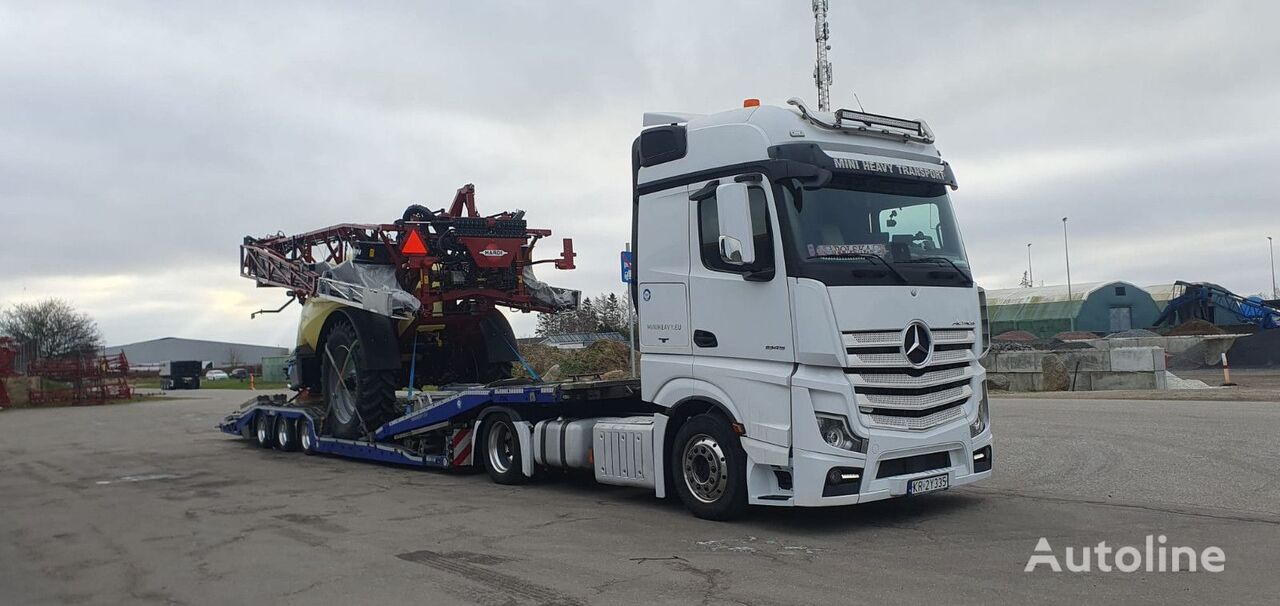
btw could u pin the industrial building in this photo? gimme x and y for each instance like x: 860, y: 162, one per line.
x: 220, y: 353
x: 1044, y: 311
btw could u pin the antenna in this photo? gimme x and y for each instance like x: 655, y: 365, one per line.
x: 822, y: 70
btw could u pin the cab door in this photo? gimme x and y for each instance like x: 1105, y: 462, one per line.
x: 740, y: 316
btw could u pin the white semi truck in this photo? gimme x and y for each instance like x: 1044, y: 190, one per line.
x: 809, y: 332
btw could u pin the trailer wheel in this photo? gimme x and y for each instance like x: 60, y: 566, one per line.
x: 710, y: 468
x: 502, y: 450
x: 305, y: 441
x: 286, y: 433
x: 359, y: 399
x: 262, y: 430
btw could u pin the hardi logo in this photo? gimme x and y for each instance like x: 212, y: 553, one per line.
x: 493, y: 252
x: 917, y: 344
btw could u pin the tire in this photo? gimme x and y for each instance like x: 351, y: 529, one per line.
x: 263, y: 430
x: 286, y: 431
x: 709, y: 468
x: 305, y: 441
x: 501, y: 450
x: 358, y: 400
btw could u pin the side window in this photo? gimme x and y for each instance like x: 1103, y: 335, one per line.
x: 709, y: 232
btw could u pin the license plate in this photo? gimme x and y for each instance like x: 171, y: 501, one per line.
x: 928, y: 484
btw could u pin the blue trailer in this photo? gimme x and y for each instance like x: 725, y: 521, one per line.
x: 524, y: 427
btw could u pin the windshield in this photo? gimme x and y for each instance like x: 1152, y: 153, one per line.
x: 871, y: 230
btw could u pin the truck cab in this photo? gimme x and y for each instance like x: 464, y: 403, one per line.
x: 801, y: 281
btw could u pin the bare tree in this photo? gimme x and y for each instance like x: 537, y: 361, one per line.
x: 53, y: 327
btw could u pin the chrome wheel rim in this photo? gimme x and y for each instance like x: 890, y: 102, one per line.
x: 306, y: 438
x: 262, y: 430
x: 706, y: 473
x: 341, y: 384
x: 501, y: 447
x: 282, y: 433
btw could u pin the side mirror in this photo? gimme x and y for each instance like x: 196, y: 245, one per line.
x: 737, y: 240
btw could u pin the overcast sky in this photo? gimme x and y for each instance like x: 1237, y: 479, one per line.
x: 140, y: 141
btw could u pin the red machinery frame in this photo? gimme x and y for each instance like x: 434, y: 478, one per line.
x: 285, y: 261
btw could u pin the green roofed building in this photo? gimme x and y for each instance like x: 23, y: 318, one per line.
x: 1045, y: 311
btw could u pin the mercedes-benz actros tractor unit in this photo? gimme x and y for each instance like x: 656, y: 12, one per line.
x: 809, y: 332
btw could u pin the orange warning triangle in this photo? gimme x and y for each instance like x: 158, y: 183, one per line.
x: 413, y: 244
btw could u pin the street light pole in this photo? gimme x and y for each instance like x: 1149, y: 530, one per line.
x: 1275, y: 294
x: 1031, y: 277
x: 1067, y: 251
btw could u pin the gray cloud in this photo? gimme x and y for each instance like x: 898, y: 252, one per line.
x: 140, y: 141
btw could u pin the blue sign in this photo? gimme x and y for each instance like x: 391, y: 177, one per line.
x: 626, y: 267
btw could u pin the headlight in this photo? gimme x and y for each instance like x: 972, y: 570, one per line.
x: 984, y: 415
x: 835, y: 432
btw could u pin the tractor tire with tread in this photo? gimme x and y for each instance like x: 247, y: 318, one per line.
x: 361, y: 399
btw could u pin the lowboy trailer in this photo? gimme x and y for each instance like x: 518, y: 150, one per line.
x: 526, y: 427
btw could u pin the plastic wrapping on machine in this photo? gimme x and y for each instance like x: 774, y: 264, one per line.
x: 562, y: 299
x: 371, y: 287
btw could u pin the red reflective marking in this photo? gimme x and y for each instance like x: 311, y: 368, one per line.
x: 413, y: 244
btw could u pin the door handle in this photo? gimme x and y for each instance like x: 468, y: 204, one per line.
x: 703, y: 338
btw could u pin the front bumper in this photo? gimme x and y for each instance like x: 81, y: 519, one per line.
x: 810, y: 469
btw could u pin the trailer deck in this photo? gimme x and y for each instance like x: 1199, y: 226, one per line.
x: 438, y: 427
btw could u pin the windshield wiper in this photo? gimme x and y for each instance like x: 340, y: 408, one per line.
x: 962, y: 272
x: 869, y: 256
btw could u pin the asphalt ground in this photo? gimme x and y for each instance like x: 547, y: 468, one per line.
x: 147, y: 503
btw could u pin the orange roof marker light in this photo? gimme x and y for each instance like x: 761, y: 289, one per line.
x: 413, y: 245
x: 751, y: 103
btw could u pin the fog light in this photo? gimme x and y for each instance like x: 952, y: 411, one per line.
x: 842, y: 481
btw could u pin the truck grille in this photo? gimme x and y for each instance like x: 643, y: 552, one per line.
x: 893, y: 394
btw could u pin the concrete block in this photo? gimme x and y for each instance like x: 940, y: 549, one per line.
x: 1137, y: 359
x: 1124, y: 380
x: 1022, y: 381
x: 1019, y: 361
x: 1086, y: 359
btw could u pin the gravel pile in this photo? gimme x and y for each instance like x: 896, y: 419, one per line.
x: 1137, y: 333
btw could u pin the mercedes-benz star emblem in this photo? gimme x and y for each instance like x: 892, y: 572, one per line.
x: 917, y: 344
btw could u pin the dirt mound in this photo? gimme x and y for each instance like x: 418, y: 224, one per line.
x: 1075, y: 335
x: 1195, y: 328
x: 1137, y: 333
x: 1010, y: 346
x: 598, y: 358
x: 1258, y: 350
x: 1057, y: 344
x: 1014, y: 335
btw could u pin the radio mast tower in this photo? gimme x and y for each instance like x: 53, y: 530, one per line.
x: 822, y: 71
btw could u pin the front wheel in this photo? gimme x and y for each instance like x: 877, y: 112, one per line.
x: 501, y: 444
x: 710, y: 468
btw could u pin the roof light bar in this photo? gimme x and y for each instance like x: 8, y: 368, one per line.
x: 863, y: 123
x: 843, y: 115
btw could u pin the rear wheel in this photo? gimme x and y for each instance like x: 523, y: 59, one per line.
x: 710, y: 468
x: 263, y: 432
x: 305, y: 441
x: 286, y: 433
x: 359, y: 399
x: 502, y: 450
